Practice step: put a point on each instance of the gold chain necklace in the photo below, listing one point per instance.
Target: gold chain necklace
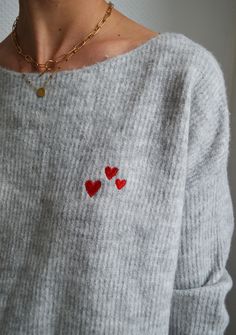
(51, 64)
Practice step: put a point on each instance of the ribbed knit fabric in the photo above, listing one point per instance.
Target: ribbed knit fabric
(148, 258)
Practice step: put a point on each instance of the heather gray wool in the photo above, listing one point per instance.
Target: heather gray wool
(146, 253)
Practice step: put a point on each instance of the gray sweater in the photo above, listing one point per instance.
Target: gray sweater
(115, 210)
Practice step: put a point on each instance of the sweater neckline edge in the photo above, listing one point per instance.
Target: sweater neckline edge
(100, 64)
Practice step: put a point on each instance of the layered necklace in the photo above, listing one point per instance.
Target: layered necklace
(52, 64)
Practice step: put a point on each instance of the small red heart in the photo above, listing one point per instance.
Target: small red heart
(111, 172)
(92, 186)
(120, 183)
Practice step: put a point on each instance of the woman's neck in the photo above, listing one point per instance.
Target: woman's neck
(49, 28)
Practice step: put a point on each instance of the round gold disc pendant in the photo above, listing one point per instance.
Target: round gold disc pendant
(41, 92)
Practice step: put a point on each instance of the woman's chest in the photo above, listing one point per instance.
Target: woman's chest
(118, 160)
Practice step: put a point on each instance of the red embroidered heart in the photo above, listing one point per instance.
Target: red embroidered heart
(92, 186)
(111, 172)
(120, 183)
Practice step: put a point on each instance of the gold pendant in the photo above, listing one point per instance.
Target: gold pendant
(41, 92)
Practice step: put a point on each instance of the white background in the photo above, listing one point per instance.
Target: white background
(211, 23)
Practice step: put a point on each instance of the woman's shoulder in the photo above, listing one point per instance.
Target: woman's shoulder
(184, 51)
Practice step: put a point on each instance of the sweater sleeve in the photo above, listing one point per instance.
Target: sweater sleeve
(201, 278)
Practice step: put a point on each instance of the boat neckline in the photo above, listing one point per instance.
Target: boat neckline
(101, 64)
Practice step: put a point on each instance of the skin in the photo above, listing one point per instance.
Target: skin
(48, 28)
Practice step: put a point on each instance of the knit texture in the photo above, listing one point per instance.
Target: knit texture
(147, 258)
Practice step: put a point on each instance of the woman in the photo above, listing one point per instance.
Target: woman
(116, 215)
